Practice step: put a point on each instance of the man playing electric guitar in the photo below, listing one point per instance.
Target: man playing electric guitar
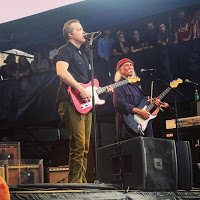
(73, 68)
(127, 98)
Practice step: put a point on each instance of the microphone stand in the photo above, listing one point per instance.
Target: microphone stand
(91, 50)
(175, 103)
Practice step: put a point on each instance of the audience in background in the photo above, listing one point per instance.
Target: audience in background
(183, 27)
(196, 24)
(3, 73)
(163, 35)
(105, 44)
(24, 67)
(120, 47)
(9, 70)
(136, 43)
(104, 50)
(151, 36)
(52, 53)
(40, 63)
(55, 44)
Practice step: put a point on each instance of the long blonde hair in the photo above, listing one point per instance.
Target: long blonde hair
(118, 76)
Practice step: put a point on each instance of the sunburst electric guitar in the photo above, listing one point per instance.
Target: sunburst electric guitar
(135, 122)
(84, 107)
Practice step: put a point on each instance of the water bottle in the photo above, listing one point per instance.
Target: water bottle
(196, 95)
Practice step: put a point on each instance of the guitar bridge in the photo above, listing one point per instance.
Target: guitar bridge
(83, 106)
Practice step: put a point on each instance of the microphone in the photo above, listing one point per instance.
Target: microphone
(88, 35)
(147, 70)
(188, 81)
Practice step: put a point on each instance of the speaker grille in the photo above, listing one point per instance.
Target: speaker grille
(140, 163)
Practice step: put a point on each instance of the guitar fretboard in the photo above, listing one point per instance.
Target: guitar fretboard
(151, 105)
(114, 85)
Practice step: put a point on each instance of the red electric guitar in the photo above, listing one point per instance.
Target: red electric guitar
(84, 107)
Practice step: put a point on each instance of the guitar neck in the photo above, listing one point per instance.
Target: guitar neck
(114, 85)
(163, 94)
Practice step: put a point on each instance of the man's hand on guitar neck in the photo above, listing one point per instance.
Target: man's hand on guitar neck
(158, 102)
(143, 113)
(155, 100)
(109, 89)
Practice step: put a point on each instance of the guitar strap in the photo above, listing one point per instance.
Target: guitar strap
(83, 55)
(85, 58)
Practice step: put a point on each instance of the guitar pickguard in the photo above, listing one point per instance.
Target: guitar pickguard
(136, 122)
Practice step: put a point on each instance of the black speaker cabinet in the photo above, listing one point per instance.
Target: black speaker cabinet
(196, 175)
(141, 163)
(184, 165)
(150, 164)
(109, 164)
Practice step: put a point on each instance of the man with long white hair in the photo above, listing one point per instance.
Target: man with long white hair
(126, 99)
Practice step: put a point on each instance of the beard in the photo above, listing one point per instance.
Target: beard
(118, 75)
(134, 73)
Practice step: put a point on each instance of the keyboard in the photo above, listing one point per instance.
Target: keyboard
(183, 122)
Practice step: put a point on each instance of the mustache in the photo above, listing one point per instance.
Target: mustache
(131, 70)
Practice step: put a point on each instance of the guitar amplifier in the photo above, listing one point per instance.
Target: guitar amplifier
(25, 172)
(9, 152)
(58, 174)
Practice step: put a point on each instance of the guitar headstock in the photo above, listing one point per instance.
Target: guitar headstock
(133, 79)
(175, 83)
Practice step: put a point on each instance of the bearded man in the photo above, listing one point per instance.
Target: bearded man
(126, 100)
